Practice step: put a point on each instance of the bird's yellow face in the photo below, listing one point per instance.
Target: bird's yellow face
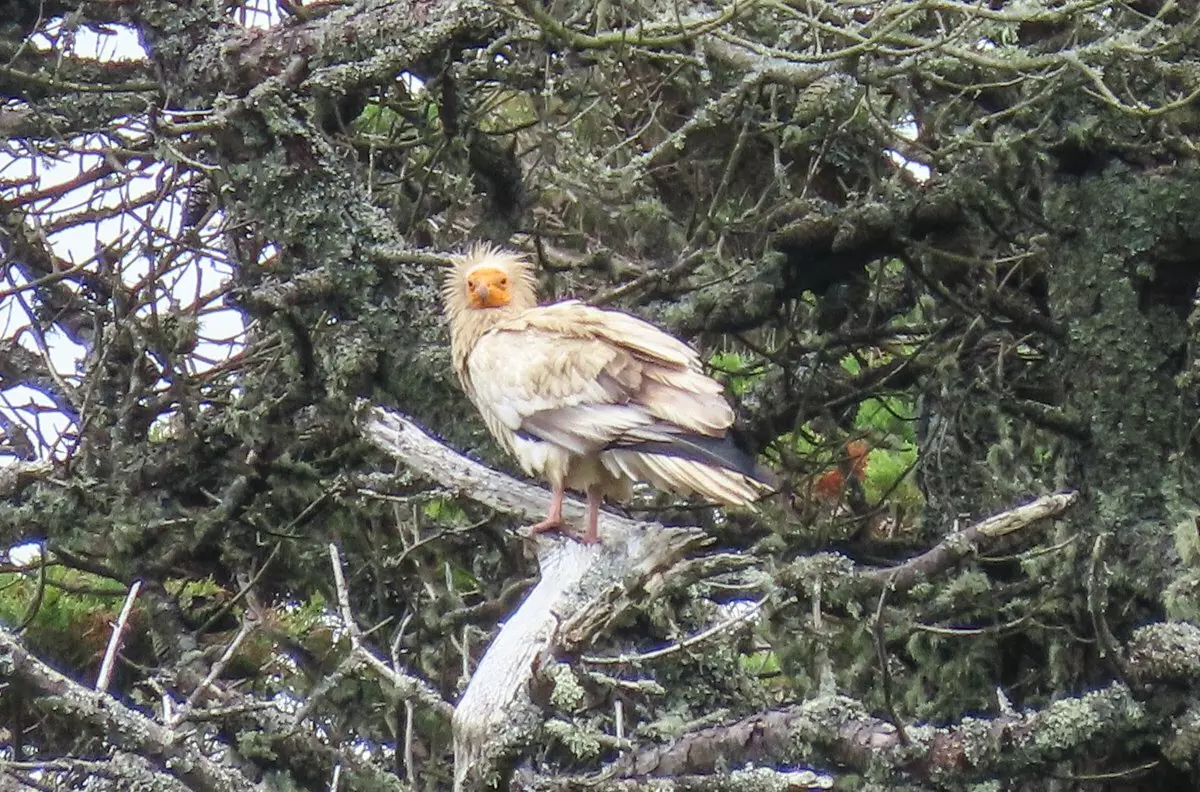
(488, 287)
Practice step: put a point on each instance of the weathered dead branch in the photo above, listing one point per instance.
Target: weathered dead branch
(582, 588)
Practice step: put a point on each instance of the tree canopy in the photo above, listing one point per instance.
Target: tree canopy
(943, 255)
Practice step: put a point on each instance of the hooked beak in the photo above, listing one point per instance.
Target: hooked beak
(481, 293)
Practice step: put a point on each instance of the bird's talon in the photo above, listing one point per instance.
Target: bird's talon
(545, 526)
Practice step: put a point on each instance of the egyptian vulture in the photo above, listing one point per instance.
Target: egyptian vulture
(589, 399)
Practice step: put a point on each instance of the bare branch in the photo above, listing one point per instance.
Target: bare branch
(114, 641)
(582, 590)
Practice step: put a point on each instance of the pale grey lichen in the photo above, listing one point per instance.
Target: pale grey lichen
(1166, 651)
(568, 693)
(581, 743)
(1070, 723)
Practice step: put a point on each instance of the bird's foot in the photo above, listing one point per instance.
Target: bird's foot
(547, 525)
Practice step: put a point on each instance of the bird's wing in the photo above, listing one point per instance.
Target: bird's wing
(589, 379)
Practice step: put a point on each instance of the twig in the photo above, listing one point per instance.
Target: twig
(826, 683)
(885, 674)
(248, 626)
(343, 595)
(114, 640)
(327, 683)
(410, 772)
(967, 632)
(465, 647)
(243, 591)
(1097, 598)
(39, 592)
(680, 645)
(406, 686)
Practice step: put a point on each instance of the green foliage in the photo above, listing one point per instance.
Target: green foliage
(67, 615)
(580, 742)
(445, 509)
(735, 369)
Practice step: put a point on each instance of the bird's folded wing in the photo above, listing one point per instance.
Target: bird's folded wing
(587, 379)
(632, 334)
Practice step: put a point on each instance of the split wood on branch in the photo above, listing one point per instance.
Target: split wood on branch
(583, 588)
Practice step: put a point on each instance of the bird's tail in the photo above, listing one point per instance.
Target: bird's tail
(713, 467)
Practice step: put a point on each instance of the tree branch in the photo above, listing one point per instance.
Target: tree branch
(126, 728)
(837, 728)
(582, 590)
(960, 544)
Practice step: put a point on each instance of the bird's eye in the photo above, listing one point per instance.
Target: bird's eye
(470, 283)
(504, 283)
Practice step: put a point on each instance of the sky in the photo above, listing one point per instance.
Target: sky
(188, 283)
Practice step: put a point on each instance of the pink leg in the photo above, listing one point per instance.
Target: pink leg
(553, 520)
(595, 498)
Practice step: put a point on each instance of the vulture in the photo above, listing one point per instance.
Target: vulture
(587, 398)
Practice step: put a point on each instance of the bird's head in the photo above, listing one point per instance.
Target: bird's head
(489, 277)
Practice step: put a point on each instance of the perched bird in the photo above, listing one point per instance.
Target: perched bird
(589, 399)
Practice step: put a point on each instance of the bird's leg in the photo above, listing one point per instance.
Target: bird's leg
(595, 497)
(553, 520)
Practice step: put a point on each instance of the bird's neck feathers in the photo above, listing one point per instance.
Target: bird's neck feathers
(468, 324)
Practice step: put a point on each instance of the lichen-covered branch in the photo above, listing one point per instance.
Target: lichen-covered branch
(829, 730)
(177, 754)
(836, 730)
(960, 544)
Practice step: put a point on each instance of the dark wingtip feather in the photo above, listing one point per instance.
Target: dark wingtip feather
(719, 451)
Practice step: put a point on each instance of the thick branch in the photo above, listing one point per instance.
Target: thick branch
(831, 730)
(407, 442)
(582, 590)
(128, 769)
(370, 43)
(836, 728)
